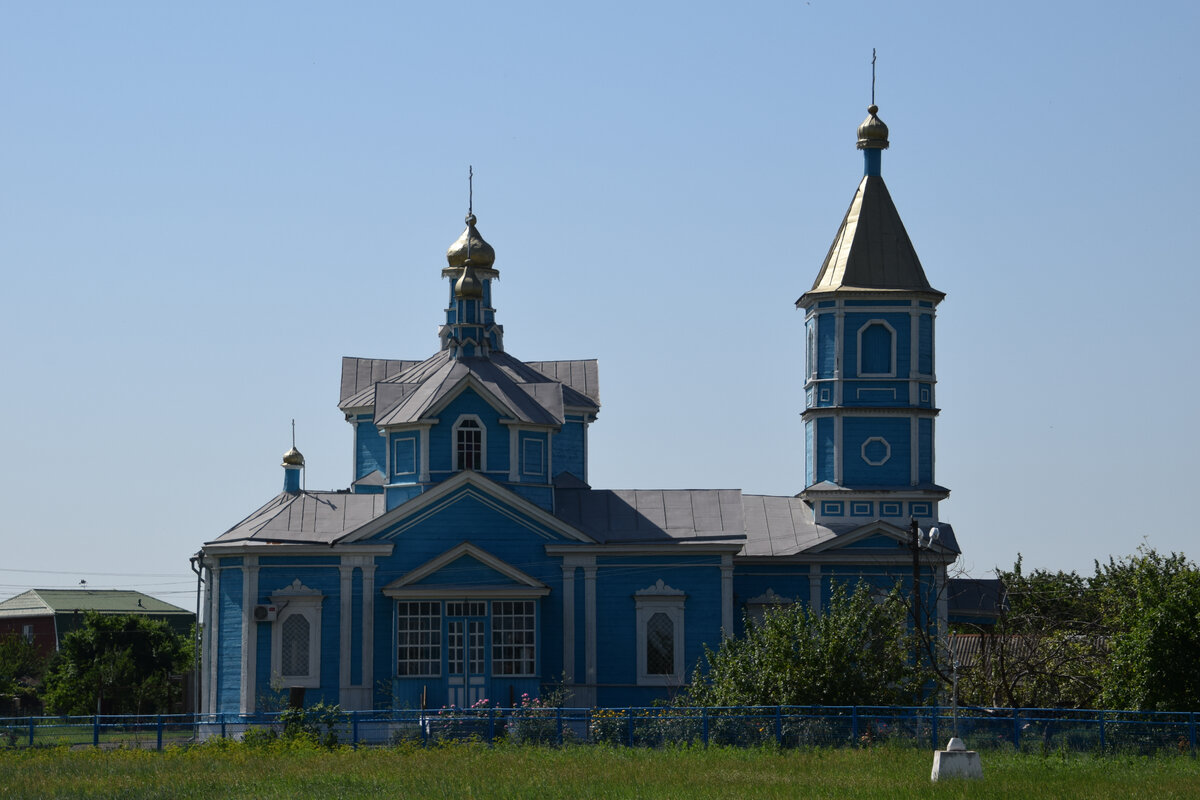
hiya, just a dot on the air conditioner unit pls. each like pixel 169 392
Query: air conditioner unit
pixel 265 613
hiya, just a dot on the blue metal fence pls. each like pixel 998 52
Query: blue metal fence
pixel 1031 730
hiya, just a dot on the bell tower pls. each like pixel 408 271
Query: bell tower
pixel 869 392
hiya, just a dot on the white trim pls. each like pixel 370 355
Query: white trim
pixel 297 600
pixel 727 595
pixel 887 451
pixel 345 615
pixel 650 602
pixel 568 627
pixel 488 491
pixel 860 372
pixel 589 625
pixel 249 633
pixel 453 554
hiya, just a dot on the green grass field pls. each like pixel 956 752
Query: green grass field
pixel 475 771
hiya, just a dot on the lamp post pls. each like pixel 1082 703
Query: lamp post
pixel 916 543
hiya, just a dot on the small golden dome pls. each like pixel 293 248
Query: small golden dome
pixel 468 286
pixel 482 255
pixel 292 458
pixel 872 133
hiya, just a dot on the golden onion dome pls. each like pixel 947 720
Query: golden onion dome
pixel 872 133
pixel 481 253
pixel 292 458
pixel 468 286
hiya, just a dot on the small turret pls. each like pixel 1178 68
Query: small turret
pixel 293 463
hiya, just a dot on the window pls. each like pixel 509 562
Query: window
pixel 812 348
pixel 660 638
pixel 27 632
pixel 296 636
pixel 468 445
pixel 757 607
pixel 419 638
pixel 877 349
pixel 513 637
pixel 293 658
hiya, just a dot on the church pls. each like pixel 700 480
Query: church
pixel 470 558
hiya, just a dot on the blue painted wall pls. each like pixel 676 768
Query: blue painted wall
pixel 826 450
pixel 895 471
pixel 925 456
pixel 441 438
pixel 570 448
pixel 369 452
pixel 229 645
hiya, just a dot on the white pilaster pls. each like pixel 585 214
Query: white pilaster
pixel 249 632
pixel 568 624
pixel 589 612
pixel 368 633
pixel 814 588
pixel 345 617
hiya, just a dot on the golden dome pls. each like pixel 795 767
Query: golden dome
pixel 482 254
pixel 292 458
pixel 468 286
pixel 872 133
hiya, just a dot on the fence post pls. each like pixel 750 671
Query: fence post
pixel 159 726
pixel 1101 730
pixel 1016 729
pixel 854 725
pixel 559 723
pixel 491 726
pixel 1191 732
pixel 96 730
pixel 354 727
pixel 704 726
pixel 31 733
pixel 629 711
pixel 933 728
pixel 779 726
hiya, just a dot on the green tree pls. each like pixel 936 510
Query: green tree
pixel 21 669
pixel 1152 602
pixel 856 651
pixel 117 665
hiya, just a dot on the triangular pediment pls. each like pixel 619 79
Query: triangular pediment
pixel 881 537
pixel 480 494
pixel 466 571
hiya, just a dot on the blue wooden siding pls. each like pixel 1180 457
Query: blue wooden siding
pixel 405 461
pixel 441 437
pixel 532 449
pixel 895 471
pixel 809 454
pixel 826 450
pixel 399 495
pixel 826 345
pixel 569 449
pixel 855 321
pixel 875 392
pixel 925 345
pixel 229 641
pixel 369 452
pixel 925 455
pixel 463 571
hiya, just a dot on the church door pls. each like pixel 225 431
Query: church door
pixel 466 662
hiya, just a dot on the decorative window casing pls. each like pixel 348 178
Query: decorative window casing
pixel 296 636
pixel 469 443
pixel 660 635
pixel 757 607
pixel 514 637
pixel 877 350
pixel 419 638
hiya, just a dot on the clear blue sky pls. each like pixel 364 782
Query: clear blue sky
pixel 204 207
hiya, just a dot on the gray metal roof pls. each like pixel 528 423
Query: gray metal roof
pixel 307 518
pixel 780 526
pixel 45 602
pixel 535 394
pixel 872 251
pixel 652 515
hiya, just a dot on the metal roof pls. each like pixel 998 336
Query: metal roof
pixel 652 515
pixel 872 251
pixel 307 518
pixel 45 602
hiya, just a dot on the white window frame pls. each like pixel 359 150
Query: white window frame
pixel 482 467
pixel 891 373
pixel 656 599
pixel 396 440
pixel 297 600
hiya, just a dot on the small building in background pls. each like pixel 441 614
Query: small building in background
pixel 44 616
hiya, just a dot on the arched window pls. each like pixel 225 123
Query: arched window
pixel 468 445
pixel 877 349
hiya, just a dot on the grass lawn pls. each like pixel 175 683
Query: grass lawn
pixel 475 771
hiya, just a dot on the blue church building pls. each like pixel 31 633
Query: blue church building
pixel 471 558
